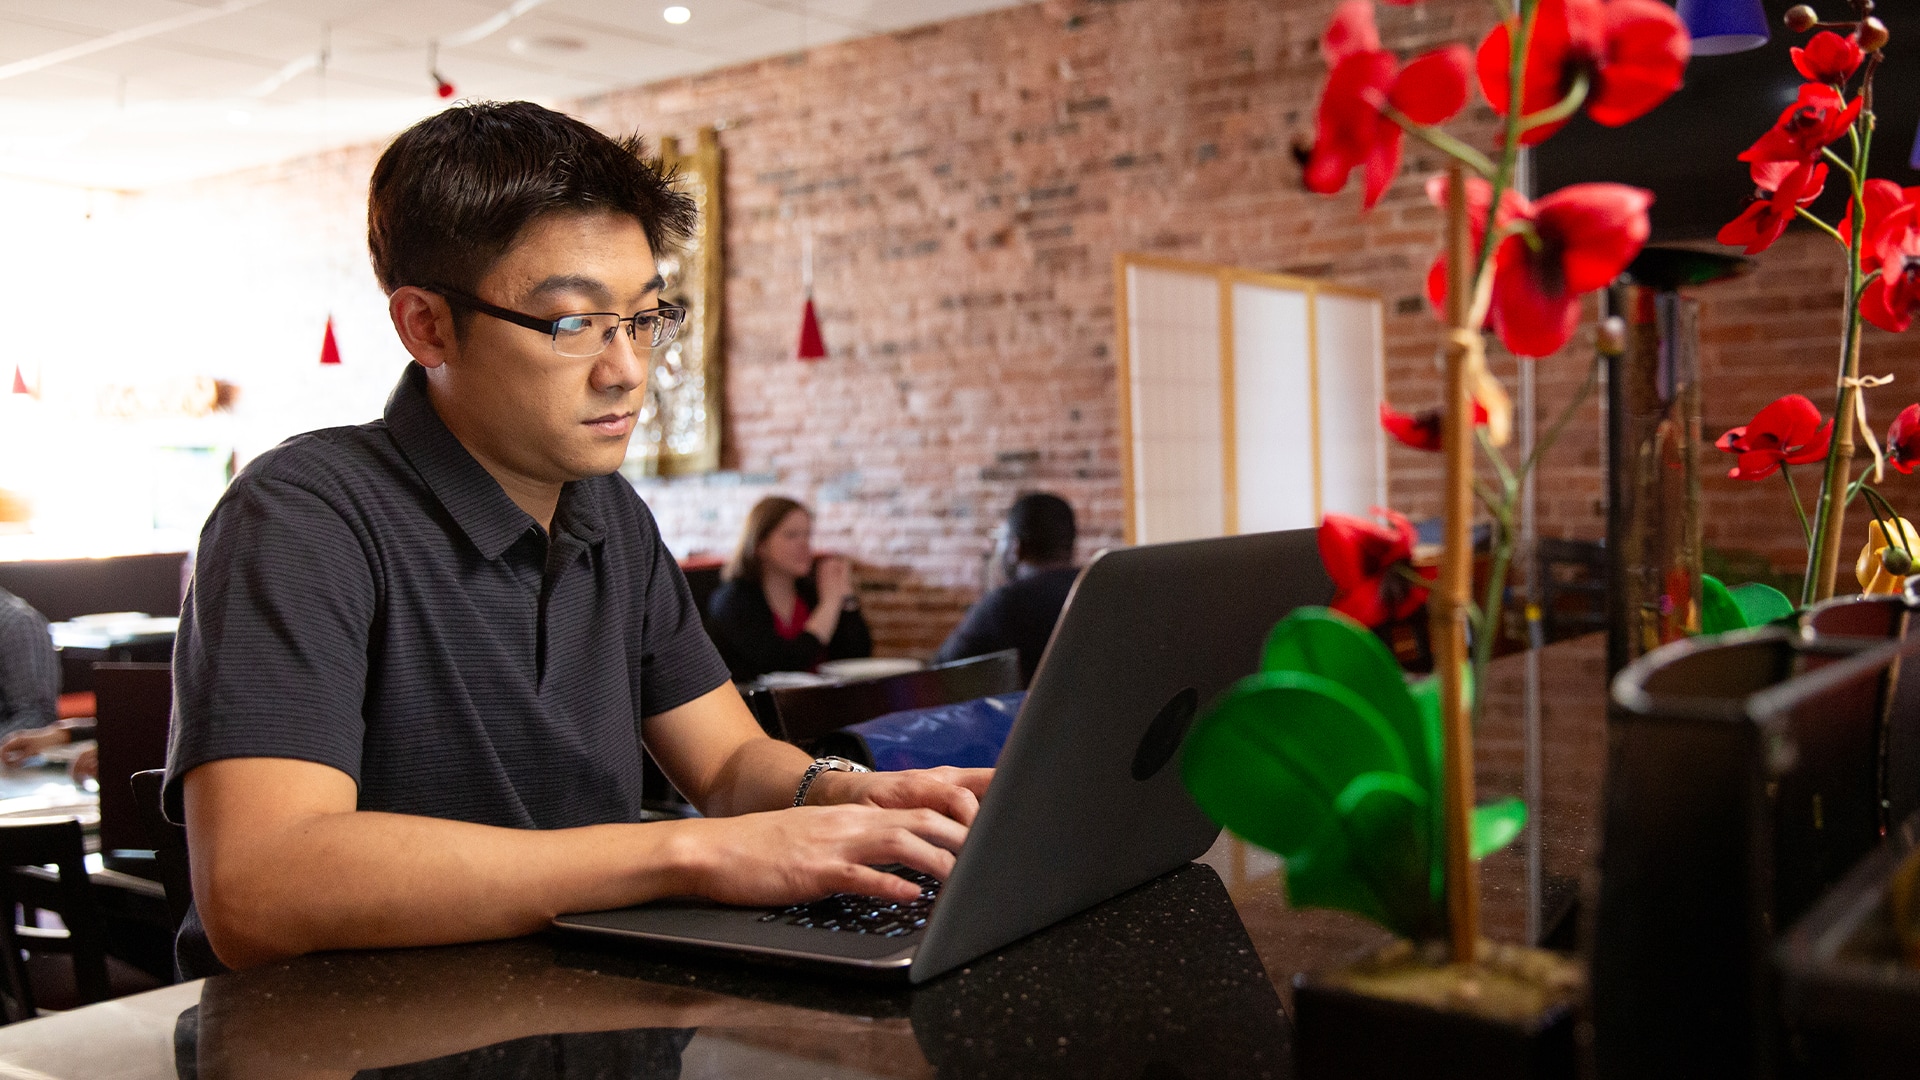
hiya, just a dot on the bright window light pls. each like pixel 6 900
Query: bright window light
pixel 676 15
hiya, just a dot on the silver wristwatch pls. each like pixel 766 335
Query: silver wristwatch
pixel 823 765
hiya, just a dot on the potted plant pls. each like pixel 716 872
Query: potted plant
pixel 1361 780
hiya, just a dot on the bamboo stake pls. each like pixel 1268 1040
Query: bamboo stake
pixel 1448 604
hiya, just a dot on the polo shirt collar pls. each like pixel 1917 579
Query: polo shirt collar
pixel 478 504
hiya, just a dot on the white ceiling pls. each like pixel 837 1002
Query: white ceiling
pixel 130 94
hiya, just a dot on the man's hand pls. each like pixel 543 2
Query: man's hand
pixel 807 852
pixel 955 793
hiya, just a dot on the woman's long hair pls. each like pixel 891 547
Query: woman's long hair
pixel 766 516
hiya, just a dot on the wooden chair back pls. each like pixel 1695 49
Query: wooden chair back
pixel 135 704
pixel 804 713
pixel 169 842
pixel 68 894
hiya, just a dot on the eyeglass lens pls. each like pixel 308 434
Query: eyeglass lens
pixel 589 335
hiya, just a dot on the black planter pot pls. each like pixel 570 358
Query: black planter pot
pixel 1343 1034
pixel 1850 996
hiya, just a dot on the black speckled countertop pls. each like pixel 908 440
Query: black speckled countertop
pixel 1183 977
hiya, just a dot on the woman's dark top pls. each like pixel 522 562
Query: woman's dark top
pixel 741 623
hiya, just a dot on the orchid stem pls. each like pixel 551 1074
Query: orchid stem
pixel 1839 163
pixel 1807 215
pixel 1806 528
pixel 1567 106
pixel 1441 141
pixel 1823 560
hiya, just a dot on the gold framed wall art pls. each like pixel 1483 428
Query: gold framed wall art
pixel 678 429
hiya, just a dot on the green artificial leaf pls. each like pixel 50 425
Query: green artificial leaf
pixel 1762 604
pixel 1271 758
pixel 1719 611
pixel 1495 825
pixel 1321 875
pixel 1334 646
pixel 1390 847
pixel 1753 604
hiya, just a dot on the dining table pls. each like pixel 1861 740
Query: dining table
pixel 1188 975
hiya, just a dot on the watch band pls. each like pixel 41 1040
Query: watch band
pixel 824 765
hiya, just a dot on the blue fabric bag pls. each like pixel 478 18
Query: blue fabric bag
pixel 968 734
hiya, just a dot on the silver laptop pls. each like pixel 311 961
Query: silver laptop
pixel 1087 800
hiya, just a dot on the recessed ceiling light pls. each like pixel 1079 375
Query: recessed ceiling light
pixel 676 15
pixel 547 43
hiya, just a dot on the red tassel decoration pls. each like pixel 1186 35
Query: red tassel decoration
pixel 329 348
pixel 19 381
pixel 812 345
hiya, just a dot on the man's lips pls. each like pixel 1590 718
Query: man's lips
pixel 615 424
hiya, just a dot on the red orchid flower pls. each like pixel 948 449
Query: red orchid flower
pixel 1634 53
pixel 1829 58
pixel 1583 237
pixel 1892 300
pixel 1903 440
pixel 1816 118
pixel 1352 132
pixel 1421 430
pixel 1786 432
pixel 1883 198
pixel 1361 557
pixel 1575 240
pixel 1783 187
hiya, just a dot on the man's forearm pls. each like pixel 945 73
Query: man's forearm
pixel 760 774
pixel 356 879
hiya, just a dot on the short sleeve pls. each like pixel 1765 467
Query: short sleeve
pixel 678 661
pixel 271 657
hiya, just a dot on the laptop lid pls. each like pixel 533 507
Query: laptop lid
pixel 1087 801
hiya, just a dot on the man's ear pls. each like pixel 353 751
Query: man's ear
pixel 424 322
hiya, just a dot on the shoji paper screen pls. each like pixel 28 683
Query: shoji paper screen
pixel 1248 401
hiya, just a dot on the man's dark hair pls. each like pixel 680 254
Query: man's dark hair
pixel 1042 526
pixel 455 190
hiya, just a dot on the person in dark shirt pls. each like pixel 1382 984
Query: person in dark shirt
pixel 29 668
pixel 780 609
pixel 1020 614
pixel 419 657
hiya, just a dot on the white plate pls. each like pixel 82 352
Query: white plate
pixel 869 667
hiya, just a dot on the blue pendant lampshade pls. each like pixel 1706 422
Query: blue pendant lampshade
pixel 1724 26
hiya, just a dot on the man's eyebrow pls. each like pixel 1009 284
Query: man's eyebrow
pixel 592 288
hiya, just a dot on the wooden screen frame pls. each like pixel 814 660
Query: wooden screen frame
pixel 1226 278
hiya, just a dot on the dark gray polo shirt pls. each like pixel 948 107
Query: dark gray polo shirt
pixel 369 598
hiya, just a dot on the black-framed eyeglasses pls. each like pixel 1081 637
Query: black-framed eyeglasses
pixel 580 335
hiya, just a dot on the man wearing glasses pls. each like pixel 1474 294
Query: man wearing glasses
pixel 419 656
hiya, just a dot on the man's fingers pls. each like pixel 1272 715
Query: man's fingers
pixel 866 881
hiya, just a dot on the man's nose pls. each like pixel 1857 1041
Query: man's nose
pixel 623 365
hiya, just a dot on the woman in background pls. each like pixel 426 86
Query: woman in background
pixel 779 610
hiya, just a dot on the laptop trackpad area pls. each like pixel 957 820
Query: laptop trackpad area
pixel 697 922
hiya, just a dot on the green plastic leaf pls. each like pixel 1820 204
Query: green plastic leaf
pixel 1269 761
pixel 1321 875
pixel 1390 847
pixel 1326 643
pixel 1495 825
pixel 1762 604
pixel 1753 604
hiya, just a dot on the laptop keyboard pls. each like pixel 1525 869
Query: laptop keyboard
pixel 853 913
